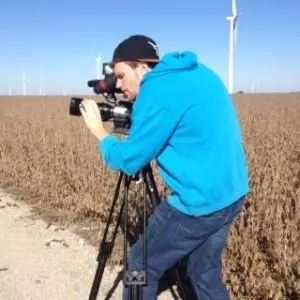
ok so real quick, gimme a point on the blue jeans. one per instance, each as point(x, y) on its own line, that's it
point(172, 235)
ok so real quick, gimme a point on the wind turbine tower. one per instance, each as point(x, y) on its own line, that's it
point(98, 61)
point(41, 90)
point(232, 43)
point(24, 84)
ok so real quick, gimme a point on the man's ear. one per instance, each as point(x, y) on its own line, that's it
point(146, 67)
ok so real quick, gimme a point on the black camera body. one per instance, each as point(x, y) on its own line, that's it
point(118, 112)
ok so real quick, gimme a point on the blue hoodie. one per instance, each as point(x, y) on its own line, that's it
point(184, 118)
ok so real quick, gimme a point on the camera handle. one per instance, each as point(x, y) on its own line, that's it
point(135, 280)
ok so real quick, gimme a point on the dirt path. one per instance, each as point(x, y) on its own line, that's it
point(42, 262)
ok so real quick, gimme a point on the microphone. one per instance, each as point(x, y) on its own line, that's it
point(106, 85)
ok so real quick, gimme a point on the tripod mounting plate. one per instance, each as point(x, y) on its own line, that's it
point(135, 278)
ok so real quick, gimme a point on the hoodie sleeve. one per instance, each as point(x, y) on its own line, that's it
point(153, 122)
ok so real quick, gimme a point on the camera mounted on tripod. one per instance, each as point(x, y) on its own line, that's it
point(116, 111)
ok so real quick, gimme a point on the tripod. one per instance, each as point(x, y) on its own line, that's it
point(134, 279)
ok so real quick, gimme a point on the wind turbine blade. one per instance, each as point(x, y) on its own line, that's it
point(234, 9)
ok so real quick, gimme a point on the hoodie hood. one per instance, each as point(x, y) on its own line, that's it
point(172, 62)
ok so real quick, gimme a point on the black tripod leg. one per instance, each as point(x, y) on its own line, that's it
point(154, 197)
point(151, 187)
point(105, 248)
point(135, 292)
point(134, 279)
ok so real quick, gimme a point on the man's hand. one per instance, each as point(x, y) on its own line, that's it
point(92, 117)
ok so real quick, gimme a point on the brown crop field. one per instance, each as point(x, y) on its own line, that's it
point(53, 157)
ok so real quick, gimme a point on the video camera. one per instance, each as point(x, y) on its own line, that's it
point(119, 111)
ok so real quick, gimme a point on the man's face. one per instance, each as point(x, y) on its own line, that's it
point(129, 78)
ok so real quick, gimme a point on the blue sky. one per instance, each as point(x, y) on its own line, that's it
point(55, 42)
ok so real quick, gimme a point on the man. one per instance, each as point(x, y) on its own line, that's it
point(184, 118)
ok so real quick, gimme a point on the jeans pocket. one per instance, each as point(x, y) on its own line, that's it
point(193, 229)
point(183, 231)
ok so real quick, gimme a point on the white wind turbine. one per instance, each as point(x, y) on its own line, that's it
point(232, 43)
point(41, 91)
point(10, 90)
point(98, 61)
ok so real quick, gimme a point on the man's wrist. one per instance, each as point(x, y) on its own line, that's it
point(101, 134)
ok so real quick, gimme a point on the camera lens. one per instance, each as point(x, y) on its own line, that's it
point(106, 111)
